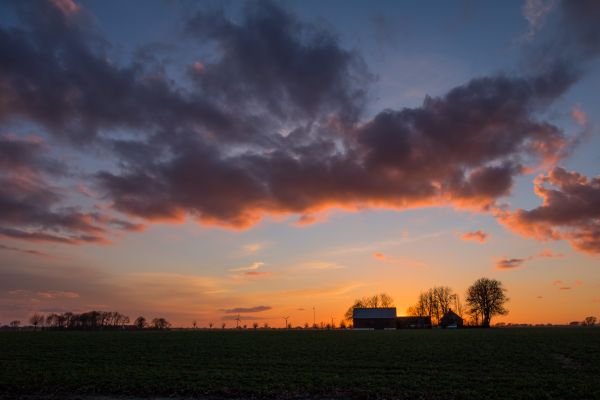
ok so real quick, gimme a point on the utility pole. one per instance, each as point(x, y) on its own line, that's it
point(286, 321)
point(332, 326)
point(314, 320)
point(237, 321)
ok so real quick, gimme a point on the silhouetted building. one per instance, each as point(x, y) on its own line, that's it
point(423, 322)
point(451, 320)
point(374, 318)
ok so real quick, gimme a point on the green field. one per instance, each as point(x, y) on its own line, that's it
point(496, 363)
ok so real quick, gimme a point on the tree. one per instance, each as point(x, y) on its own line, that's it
point(590, 321)
point(36, 319)
point(434, 302)
point(140, 322)
point(15, 323)
point(375, 301)
point(485, 299)
point(160, 323)
point(210, 325)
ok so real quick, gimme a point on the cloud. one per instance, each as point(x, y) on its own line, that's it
point(252, 248)
point(510, 263)
point(549, 253)
point(272, 123)
point(477, 236)
point(257, 274)
point(254, 266)
point(536, 13)
point(570, 210)
point(378, 256)
point(57, 294)
point(245, 310)
point(24, 251)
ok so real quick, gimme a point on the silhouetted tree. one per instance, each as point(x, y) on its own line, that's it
point(36, 320)
point(140, 322)
point(223, 325)
point(255, 325)
point(160, 323)
point(377, 300)
point(194, 324)
point(486, 298)
point(589, 321)
point(210, 325)
point(15, 324)
point(434, 302)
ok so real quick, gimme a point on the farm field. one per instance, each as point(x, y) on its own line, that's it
point(497, 363)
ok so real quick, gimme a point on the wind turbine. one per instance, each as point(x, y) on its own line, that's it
point(286, 321)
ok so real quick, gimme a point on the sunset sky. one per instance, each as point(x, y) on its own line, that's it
point(200, 160)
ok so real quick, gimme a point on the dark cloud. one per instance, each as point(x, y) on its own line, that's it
point(32, 209)
point(570, 210)
point(245, 310)
point(271, 121)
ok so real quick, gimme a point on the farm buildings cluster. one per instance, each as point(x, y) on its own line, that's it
point(386, 318)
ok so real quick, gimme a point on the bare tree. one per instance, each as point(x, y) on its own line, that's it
point(434, 302)
point(375, 301)
point(36, 319)
point(590, 321)
point(140, 322)
point(486, 298)
point(160, 323)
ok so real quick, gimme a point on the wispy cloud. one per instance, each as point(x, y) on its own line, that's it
point(24, 251)
point(252, 267)
point(253, 248)
point(245, 310)
point(510, 263)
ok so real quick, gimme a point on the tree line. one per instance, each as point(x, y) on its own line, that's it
point(94, 320)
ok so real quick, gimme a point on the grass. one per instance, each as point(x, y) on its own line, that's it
point(496, 363)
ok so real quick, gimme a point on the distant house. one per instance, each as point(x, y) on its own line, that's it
point(374, 318)
point(413, 322)
point(451, 320)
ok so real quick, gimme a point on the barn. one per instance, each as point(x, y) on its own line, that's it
point(374, 318)
point(451, 320)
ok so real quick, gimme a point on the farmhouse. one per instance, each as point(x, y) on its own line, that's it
point(451, 320)
point(374, 318)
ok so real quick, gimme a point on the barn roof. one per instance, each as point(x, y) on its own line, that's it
point(388, 312)
point(451, 315)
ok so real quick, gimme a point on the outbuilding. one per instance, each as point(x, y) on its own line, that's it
point(374, 318)
point(451, 320)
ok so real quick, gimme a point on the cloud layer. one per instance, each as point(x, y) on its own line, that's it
point(270, 121)
point(570, 210)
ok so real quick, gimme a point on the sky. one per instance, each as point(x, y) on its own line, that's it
point(201, 161)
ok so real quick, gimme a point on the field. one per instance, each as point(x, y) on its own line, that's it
point(496, 363)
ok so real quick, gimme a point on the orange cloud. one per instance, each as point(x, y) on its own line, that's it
point(477, 236)
point(378, 256)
